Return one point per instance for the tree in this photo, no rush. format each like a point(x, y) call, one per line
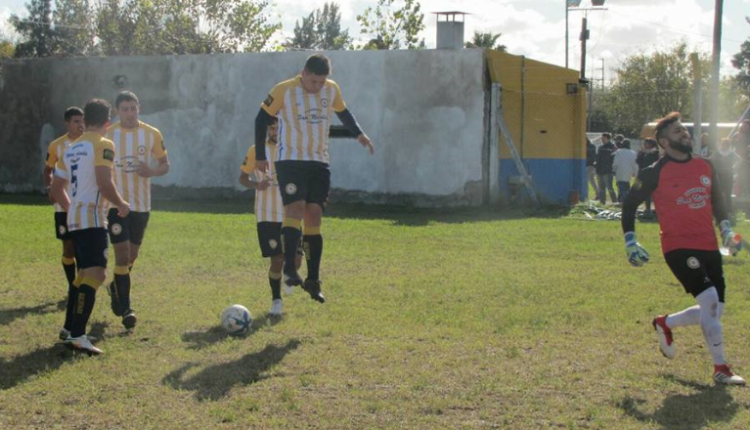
point(36, 30)
point(321, 30)
point(75, 28)
point(485, 40)
point(6, 49)
point(648, 86)
point(144, 27)
point(392, 27)
point(741, 61)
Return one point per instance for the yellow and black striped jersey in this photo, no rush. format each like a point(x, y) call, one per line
point(54, 154)
point(268, 205)
point(304, 118)
point(88, 209)
point(134, 146)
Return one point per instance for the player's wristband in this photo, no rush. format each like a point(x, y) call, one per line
point(630, 238)
point(726, 228)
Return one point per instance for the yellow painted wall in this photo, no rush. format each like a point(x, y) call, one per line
point(534, 98)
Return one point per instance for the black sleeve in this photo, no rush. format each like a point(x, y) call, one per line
point(645, 184)
point(349, 122)
point(718, 199)
point(261, 128)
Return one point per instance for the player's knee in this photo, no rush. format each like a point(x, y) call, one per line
point(277, 262)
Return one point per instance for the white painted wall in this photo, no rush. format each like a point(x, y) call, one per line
point(422, 109)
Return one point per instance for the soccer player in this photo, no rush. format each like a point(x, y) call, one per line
point(82, 177)
point(74, 128)
point(137, 144)
point(269, 213)
point(688, 194)
point(304, 106)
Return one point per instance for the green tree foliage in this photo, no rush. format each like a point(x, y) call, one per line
point(649, 86)
point(741, 61)
point(486, 41)
point(321, 30)
point(6, 49)
point(391, 26)
point(35, 30)
point(75, 28)
point(142, 27)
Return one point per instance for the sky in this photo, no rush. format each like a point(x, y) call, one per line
point(536, 28)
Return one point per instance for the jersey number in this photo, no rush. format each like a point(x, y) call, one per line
point(74, 179)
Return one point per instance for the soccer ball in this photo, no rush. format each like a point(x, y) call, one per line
point(236, 320)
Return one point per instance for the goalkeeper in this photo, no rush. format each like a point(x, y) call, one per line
point(688, 197)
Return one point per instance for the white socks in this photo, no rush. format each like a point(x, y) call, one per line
point(710, 312)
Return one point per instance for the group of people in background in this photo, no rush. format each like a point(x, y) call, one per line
point(614, 161)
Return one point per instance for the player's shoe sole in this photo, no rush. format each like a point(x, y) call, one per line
point(83, 344)
point(666, 341)
point(724, 375)
point(129, 320)
point(291, 277)
point(277, 309)
point(313, 288)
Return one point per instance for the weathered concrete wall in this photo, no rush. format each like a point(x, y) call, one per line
point(424, 110)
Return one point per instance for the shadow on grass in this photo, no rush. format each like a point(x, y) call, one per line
point(202, 339)
point(23, 367)
point(7, 316)
point(214, 382)
point(710, 404)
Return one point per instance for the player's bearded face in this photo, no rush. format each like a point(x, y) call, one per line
point(128, 112)
point(679, 139)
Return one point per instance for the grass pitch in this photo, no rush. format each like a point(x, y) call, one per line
point(466, 319)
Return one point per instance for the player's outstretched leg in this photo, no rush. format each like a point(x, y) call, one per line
point(313, 244)
point(290, 238)
point(277, 306)
point(714, 336)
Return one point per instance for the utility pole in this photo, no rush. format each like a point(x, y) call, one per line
point(698, 97)
point(714, 89)
point(567, 5)
point(584, 37)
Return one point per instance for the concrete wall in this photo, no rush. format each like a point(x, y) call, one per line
point(424, 110)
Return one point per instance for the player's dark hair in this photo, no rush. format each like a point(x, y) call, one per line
point(72, 111)
point(650, 142)
point(96, 113)
point(626, 143)
point(607, 135)
point(273, 120)
point(126, 96)
point(318, 64)
point(663, 124)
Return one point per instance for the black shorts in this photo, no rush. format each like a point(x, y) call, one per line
point(303, 180)
point(269, 238)
point(132, 227)
point(697, 270)
point(92, 247)
point(61, 226)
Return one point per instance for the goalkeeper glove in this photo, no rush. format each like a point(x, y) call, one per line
point(731, 242)
point(636, 254)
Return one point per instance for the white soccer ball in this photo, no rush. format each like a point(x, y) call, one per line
point(236, 320)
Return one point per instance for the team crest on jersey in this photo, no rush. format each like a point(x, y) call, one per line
point(62, 229)
point(141, 150)
point(273, 243)
point(705, 180)
point(116, 229)
point(324, 102)
point(290, 189)
point(693, 263)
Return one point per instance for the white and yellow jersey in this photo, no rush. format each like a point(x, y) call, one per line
point(54, 154)
point(134, 146)
point(304, 118)
point(88, 209)
point(268, 206)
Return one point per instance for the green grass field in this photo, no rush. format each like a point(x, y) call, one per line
point(435, 319)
